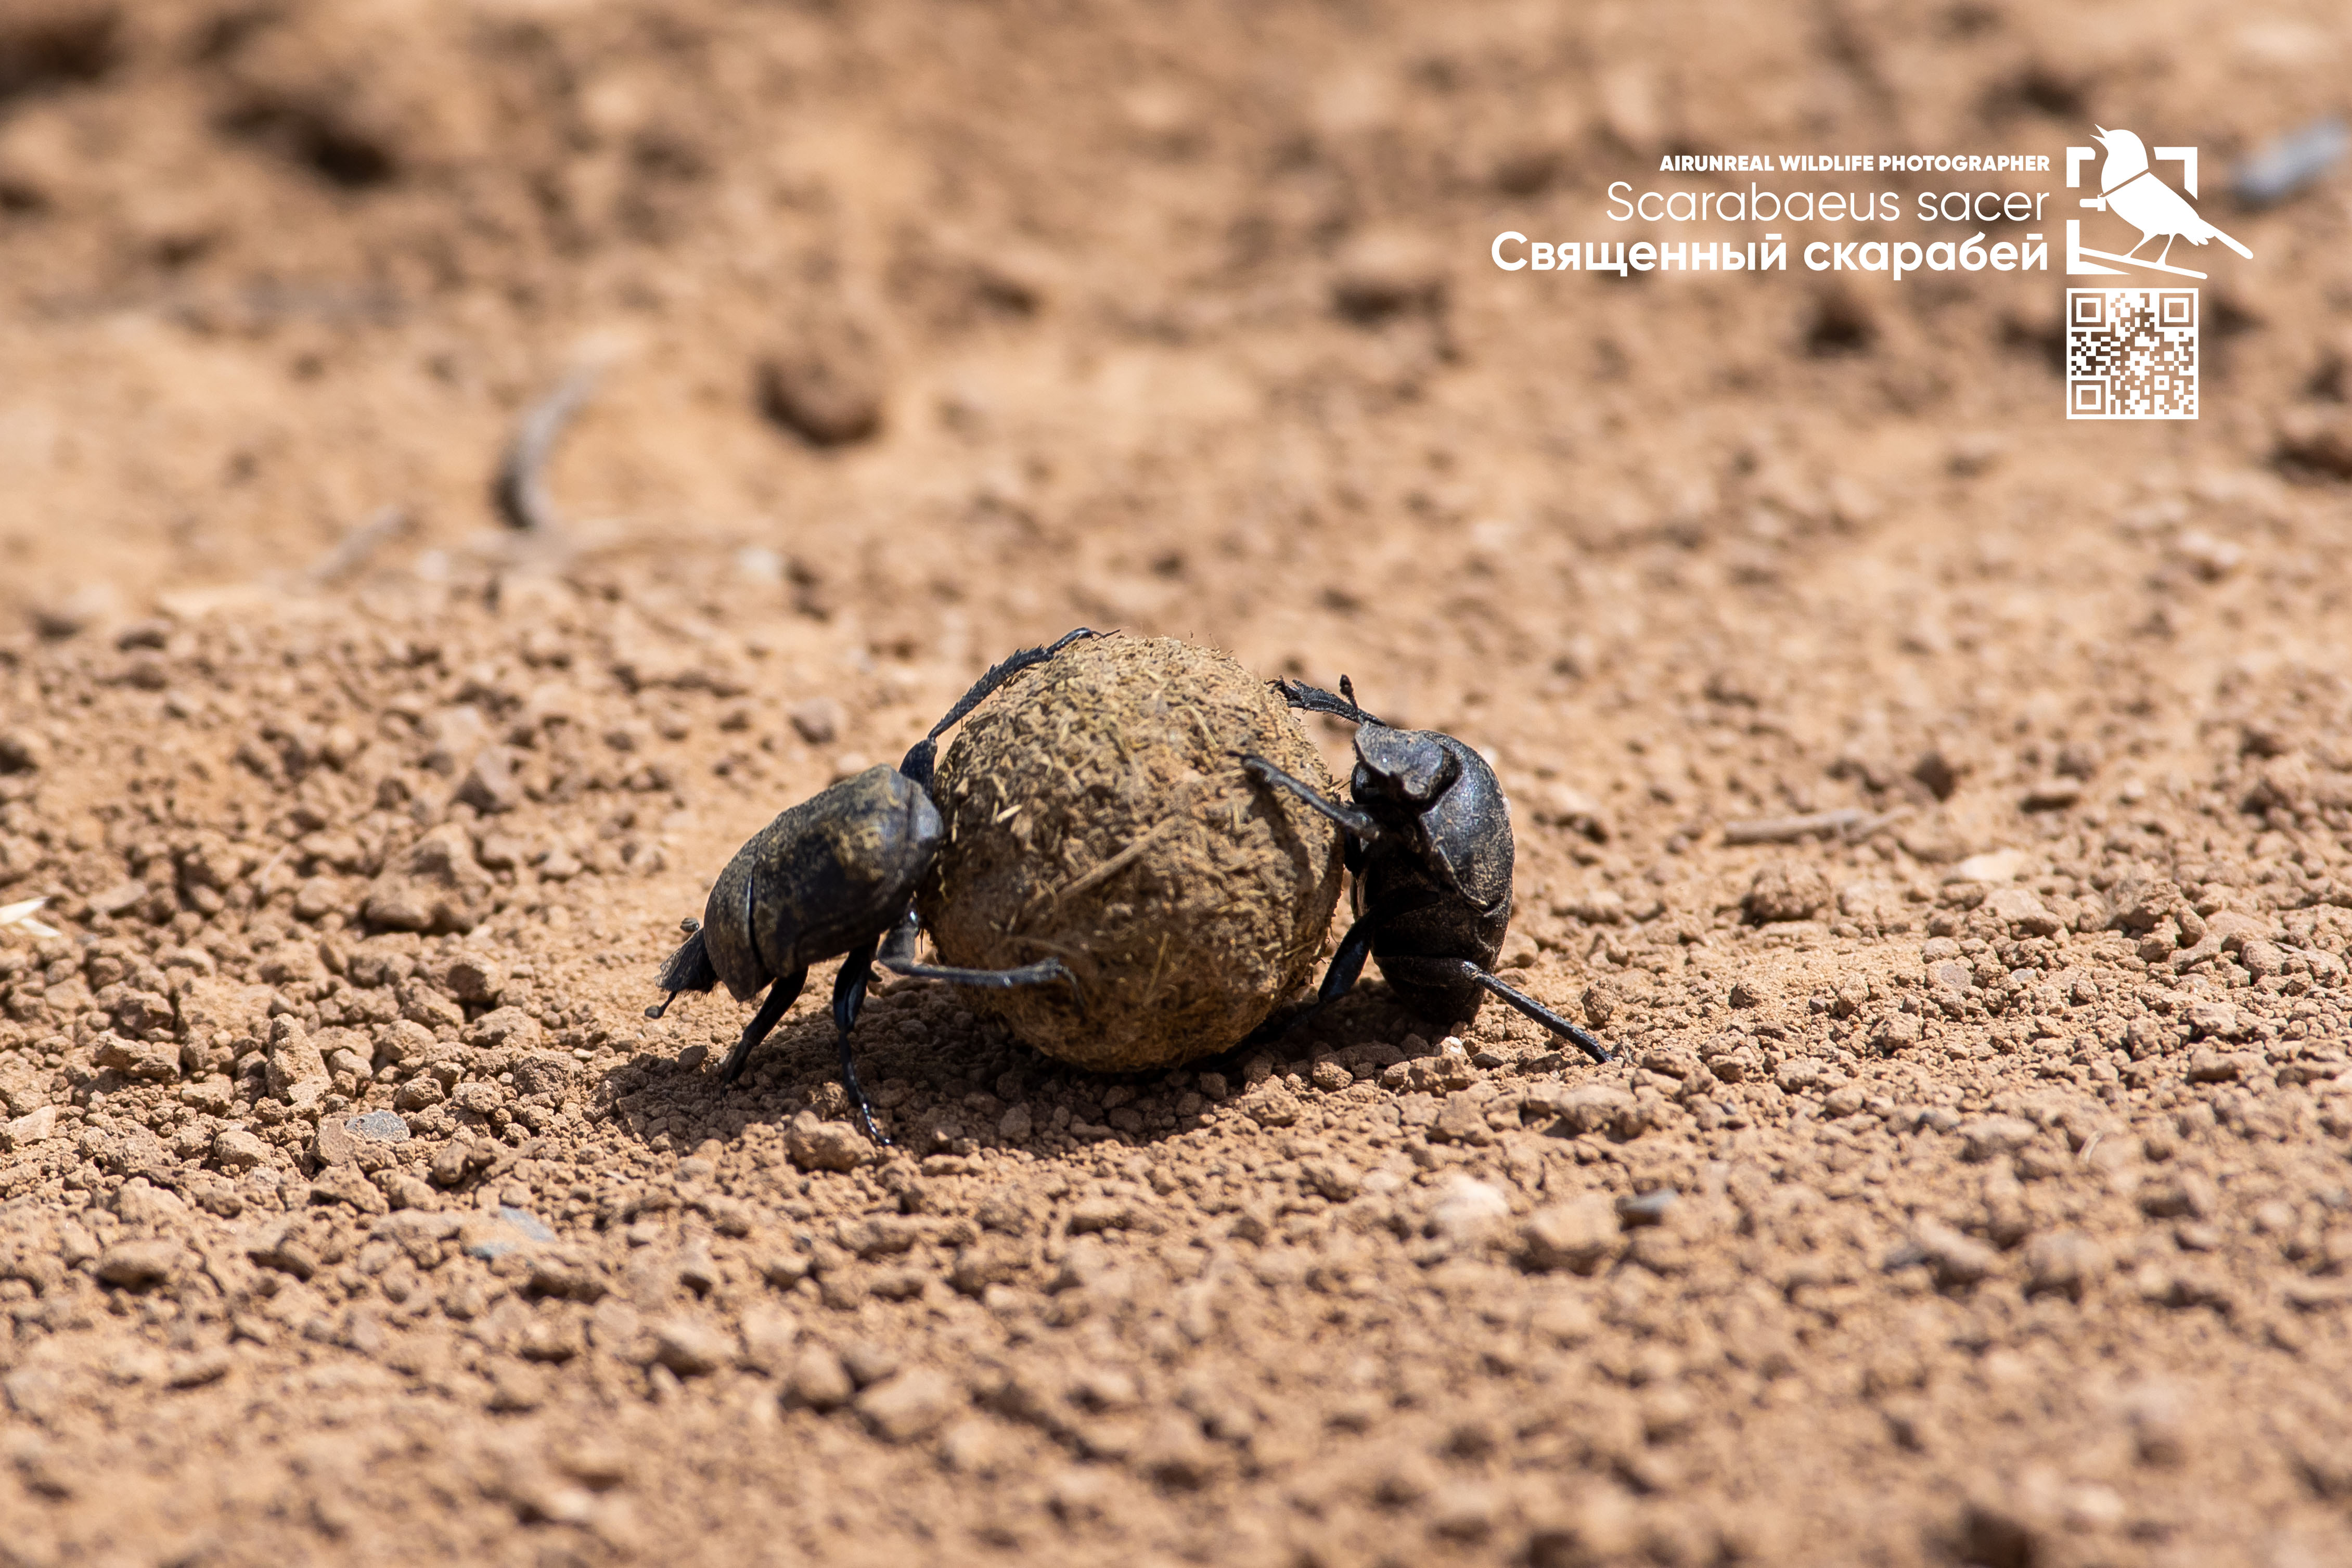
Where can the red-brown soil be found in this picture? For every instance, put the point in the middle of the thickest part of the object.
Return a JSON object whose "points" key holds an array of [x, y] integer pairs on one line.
{"points": [[2005, 1129]]}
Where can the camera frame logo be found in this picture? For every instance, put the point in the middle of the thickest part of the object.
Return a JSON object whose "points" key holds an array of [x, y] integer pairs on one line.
{"points": [[2131, 354]]}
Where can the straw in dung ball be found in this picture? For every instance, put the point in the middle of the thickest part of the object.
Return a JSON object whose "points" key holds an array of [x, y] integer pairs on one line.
{"points": [[1096, 811]]}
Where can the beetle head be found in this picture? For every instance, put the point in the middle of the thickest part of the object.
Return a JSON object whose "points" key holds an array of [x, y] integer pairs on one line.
{"points": [[1406, 766]]}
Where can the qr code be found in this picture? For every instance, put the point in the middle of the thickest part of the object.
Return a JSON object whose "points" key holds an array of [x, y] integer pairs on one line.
{"points": [[2131, 354]]}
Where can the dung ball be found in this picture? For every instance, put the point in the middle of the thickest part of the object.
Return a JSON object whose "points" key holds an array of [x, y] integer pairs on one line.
{"points": [[1096, 811]]}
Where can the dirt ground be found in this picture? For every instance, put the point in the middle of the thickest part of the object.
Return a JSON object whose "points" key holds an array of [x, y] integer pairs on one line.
{"points": [[1975, 1182]]}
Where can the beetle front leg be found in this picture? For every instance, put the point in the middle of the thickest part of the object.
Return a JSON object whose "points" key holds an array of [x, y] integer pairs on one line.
{"points": [[1354, 821]]}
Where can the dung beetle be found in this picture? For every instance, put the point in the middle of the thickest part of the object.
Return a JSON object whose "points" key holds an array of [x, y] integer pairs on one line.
{"points": [[836, 876], [1429, 843]]}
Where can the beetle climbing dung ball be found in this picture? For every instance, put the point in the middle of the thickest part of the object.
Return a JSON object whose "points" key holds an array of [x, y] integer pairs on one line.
{"points": [[1097, 813]]}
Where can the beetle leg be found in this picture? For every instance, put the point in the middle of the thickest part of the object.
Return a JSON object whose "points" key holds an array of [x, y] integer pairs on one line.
{"points": [[1348, 963], [848, 997], [1314, 699], [924, 755], [1346, 968], [898, 946], [1354, 820], [898, 957], [781, 995], [1042, 972], [1523, 1002], [1073, 635]]}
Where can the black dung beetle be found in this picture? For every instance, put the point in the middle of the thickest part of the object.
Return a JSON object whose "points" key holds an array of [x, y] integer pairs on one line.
{"points": [[1429, 843], [837, 875]]}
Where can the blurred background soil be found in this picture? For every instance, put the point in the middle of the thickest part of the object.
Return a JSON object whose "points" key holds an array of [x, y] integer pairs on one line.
{"points": [[1973, 1183]]}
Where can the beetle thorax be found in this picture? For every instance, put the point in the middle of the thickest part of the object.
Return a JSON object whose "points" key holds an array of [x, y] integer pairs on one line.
{"points": [[1407, 769]]}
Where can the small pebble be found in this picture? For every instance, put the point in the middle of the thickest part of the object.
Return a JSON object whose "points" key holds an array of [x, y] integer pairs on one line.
{"points": [[2064, 1262], [1579, 1235], [1786, 891], [1647, 1208], [1386, 274], [814, 1143], [2215, 1020], [691, 1347], [1468, 1210], [825, 393], [74, 612], [1959, 1260], [818, 1380], [909, 1404], [140, 1265], [1993, 866], [1990, 1137], [818, 719]]}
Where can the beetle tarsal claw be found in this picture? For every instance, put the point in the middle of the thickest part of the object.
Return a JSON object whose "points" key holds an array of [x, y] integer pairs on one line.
{"points": [[658, 1009]]}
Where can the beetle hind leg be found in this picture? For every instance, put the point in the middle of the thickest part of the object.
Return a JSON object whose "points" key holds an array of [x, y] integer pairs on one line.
{"points": [[1314, 699], [897, 956], [1520, 1001], [781, 996], [1449, 987], [849, 999]]}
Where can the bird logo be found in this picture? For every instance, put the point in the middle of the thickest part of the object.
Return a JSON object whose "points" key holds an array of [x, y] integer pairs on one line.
{"points": [[2131, 189]]}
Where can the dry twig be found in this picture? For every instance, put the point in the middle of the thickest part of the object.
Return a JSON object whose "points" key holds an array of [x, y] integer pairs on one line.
{"points": [[1850, 823], [359, 545], [521, 490]]}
